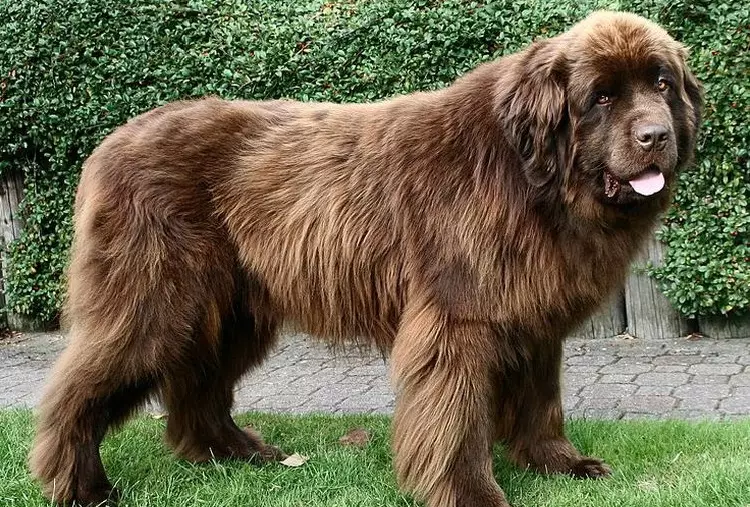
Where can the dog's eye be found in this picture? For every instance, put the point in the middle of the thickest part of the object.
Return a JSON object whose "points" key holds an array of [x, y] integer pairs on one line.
{"points": [[662, 84], [603, 99]]}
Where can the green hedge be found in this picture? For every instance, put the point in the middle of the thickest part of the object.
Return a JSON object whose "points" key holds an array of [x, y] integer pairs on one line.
{"points": [[70, 71]]}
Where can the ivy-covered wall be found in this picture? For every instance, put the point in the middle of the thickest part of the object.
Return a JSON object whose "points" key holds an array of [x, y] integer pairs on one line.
{"points": [[72, 70]]}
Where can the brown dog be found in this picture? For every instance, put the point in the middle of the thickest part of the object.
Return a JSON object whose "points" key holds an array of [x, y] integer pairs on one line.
{"points": [[466, 231]]}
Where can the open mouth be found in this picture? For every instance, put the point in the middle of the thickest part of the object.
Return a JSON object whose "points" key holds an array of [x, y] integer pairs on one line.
{"points": [[649, 182], [611, 184]]}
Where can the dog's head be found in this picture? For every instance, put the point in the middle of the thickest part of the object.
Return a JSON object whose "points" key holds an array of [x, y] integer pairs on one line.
{"points": [[608, 110]]}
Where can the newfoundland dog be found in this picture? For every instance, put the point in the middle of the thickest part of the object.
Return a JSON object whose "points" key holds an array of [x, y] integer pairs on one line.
{"points": [[464, 232]]}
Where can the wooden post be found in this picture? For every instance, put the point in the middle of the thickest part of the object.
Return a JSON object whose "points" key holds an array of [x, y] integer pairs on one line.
{"points": [[608, 321], [11, 194], [649, 314], [721, 326]]}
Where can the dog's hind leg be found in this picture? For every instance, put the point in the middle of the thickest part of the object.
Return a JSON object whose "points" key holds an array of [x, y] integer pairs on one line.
{"points": [[91, 390], [199, 396], [135, 300], [114, 361]]}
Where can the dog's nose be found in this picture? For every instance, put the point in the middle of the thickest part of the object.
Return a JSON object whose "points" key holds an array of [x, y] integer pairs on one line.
{"points": [[651, 136]]}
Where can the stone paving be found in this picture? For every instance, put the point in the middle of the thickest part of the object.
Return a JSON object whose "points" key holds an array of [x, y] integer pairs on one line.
{"points": [[617, 378]]}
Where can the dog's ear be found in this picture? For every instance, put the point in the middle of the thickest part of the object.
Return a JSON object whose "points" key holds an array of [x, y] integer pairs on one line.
{"points": [[692, 94], [531, 102]]}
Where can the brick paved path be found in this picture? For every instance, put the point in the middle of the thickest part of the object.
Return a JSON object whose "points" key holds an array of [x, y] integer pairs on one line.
{"points": [[609, 379]]}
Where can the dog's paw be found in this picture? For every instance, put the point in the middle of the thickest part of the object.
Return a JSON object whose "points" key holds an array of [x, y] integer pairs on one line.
{"points": [[590, 468]]}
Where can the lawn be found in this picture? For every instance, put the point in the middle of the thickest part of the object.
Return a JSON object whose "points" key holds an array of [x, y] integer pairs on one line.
{"points": [[657, 464]]}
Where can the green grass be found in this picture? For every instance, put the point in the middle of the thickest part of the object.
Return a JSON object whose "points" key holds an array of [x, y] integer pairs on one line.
{"points": [[657, 464]]}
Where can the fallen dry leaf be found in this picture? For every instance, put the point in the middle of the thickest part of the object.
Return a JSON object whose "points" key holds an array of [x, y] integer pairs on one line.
{"points": [[295, 460], [358, 437], [160, 415]]}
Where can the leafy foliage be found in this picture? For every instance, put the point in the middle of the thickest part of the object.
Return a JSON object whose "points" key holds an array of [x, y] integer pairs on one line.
{"points": [[707, 267], [72, 70]]}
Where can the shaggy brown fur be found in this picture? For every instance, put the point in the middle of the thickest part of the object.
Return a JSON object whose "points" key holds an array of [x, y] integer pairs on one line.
{"points": [[466, 231]]}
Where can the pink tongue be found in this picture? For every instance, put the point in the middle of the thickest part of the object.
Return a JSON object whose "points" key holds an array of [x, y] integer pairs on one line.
{"points": [[648, 184]]}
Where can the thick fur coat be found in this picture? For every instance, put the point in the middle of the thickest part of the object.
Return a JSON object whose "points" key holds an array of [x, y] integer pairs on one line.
{"points": [[464, 231]]}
